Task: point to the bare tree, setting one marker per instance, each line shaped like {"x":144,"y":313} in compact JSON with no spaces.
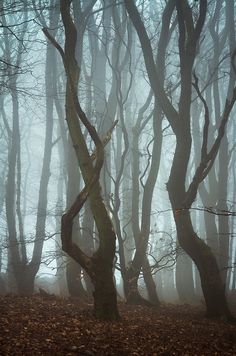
{"x":24,"y":271}
{"x":181,"y":198}
{"x":100,"y":266}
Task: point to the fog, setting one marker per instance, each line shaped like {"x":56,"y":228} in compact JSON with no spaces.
{"x":131,"y":104}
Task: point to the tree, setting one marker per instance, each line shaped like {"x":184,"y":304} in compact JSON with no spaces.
{"x":182,"y":198}
{"x":100,"y":266}
{"x":25,"y":271}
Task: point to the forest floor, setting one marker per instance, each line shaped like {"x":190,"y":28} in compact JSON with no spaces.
{"x":54,"y":326}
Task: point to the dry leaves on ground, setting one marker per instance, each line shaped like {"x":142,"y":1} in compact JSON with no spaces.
{"x":53,"y":326}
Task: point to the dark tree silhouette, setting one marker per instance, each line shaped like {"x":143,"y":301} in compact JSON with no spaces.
{"x":100,"y":266}
{"x":181,"y":198}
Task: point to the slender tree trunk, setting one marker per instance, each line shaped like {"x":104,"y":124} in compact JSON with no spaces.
{"x":88,"y":243}
{"x":50,"y":73}
{"x":150,"y":284}
{"x":223,"y":221}
{"x":184,"y":278}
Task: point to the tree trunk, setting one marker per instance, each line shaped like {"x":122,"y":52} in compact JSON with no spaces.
{"x":150,"y":284}
{"x":180,"y":121}
{"x":223,"y":221}
{"x":130,"y":283}
{"x":73,"y":270}
{"x":88,"y":243}
{"x":184,"y":278}
{"x":74,"y":279}
{"x":105,"y":296}
{"x":25,"y":277}
{"x":211,"y":282}
{"x":197,"y":284}
{"x":100,"y":265}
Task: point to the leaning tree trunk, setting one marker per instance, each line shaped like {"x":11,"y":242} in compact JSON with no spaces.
{"x":180,"y":121}
{"x":212,"y":285}
{"x":150,"y":283}
{"x":211,"y":281}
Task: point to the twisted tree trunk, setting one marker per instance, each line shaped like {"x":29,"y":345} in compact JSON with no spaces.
{"x":100,"y":266}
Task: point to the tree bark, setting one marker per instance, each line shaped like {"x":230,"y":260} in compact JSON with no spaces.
{"x":212,"y":285}
{"x":100,"y":265}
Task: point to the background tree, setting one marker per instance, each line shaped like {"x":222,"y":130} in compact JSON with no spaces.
{"x":155,"y":124}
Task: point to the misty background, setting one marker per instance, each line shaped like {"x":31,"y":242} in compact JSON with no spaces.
{"x":39,"y":174}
